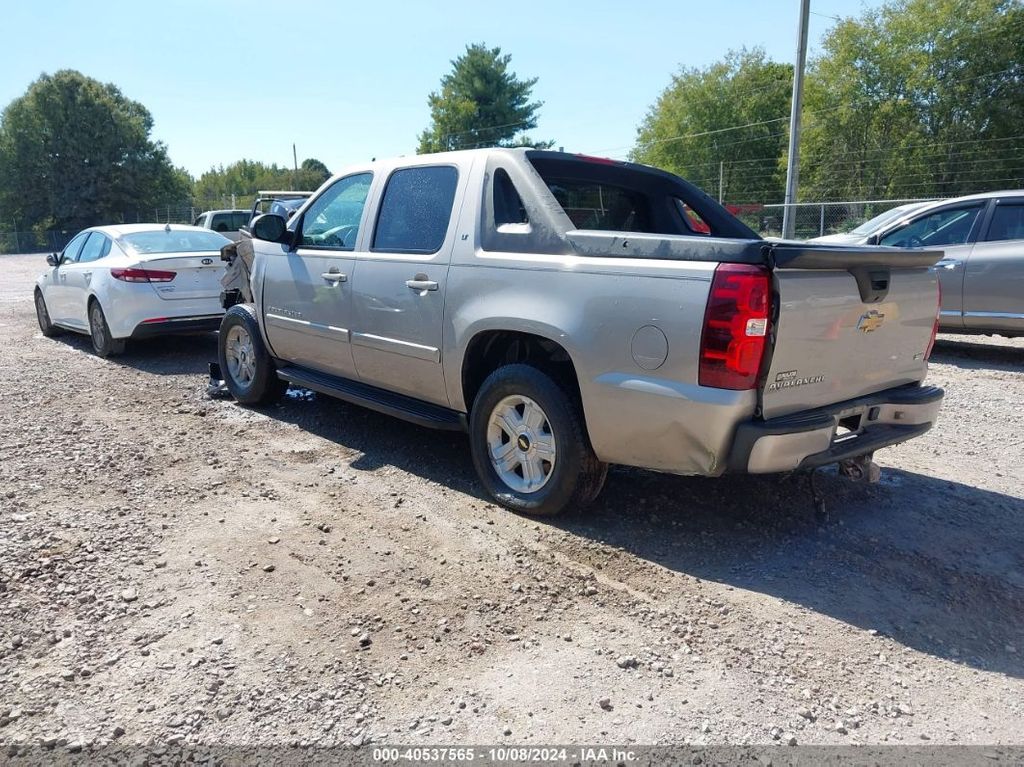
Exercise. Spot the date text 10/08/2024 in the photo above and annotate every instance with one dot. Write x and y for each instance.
(555, 754)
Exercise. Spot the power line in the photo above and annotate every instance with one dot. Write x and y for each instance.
(521, 123)
(759, 123)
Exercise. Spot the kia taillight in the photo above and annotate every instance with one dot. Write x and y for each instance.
(142, 275)
(733, 342)
(935, 326)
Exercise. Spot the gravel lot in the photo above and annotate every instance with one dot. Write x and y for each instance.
(179, 569)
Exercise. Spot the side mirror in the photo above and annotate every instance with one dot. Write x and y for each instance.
(53, 259)
(873, 239)
(270, 227)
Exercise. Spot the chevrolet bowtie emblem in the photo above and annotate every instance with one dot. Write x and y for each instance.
(870, 321)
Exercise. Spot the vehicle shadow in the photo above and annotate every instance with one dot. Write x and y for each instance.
(162, 355)
(975, 356)
(936, 565)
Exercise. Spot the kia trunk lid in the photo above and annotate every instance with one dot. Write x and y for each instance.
(196, 275)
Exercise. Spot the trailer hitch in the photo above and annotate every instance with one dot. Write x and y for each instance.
(861, 469)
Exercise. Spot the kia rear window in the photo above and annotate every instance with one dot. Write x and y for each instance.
(173, 241)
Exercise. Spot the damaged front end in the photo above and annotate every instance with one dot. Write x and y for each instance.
(236, 282)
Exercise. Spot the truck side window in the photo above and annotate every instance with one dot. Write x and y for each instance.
(508, 205)
(416, 209)
(332, 219)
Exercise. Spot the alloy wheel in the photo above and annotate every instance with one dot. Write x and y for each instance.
(241, 356)
(520, 444)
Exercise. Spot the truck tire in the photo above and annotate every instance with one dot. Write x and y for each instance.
(530, 445)
(248, 369)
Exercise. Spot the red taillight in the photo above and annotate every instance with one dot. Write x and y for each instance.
(600, 160)
(733, 342)
(935, 327)
(142, 275)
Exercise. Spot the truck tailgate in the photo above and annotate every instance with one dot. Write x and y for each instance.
(850, 322)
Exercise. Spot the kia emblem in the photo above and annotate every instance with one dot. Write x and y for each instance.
(207, 261)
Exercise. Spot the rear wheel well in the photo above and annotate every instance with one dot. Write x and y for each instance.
(492, 349)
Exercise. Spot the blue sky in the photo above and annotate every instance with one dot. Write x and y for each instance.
(227, 79)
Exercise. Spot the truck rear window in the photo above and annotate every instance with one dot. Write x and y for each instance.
(606, 195)
(592, 205)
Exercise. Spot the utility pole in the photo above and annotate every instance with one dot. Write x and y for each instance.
(721, 179)
(295, 159)
(793, 161)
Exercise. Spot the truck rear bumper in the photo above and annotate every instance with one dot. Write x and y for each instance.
(834, 433)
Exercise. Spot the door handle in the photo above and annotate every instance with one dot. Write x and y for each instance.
(420, 282)
(334, 276)
(948, 264)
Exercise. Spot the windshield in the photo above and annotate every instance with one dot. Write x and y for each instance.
(876, 223)
(174, 241)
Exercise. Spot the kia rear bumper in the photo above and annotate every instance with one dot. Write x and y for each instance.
(176, 326)
(834, 433)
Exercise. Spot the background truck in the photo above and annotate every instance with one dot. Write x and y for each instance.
(572, 312)
(280, 203)
(227, 222)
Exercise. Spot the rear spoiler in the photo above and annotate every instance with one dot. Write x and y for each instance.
(801, 255)
(778, 254)
(870, 266)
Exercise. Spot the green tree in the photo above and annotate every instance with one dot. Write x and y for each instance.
(917, 98)
(314, 172)
(481, 103)
(75, 152)
(692, 130)
(243, 179)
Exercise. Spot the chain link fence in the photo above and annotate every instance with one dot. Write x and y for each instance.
(814, 219)
(53, 240)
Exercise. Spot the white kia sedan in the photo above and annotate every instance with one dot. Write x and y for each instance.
(133, 281)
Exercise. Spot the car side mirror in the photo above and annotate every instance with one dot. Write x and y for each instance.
(873, 239)
(53, 259)
(270, 227)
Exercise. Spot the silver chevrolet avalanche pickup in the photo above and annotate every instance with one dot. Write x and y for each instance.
(571, 312)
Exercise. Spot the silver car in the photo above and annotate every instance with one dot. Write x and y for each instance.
(862, 233)
(982, 273)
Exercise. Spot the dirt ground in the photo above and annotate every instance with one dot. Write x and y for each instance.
(176, 569)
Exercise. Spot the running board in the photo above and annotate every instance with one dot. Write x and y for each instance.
(383, 401)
